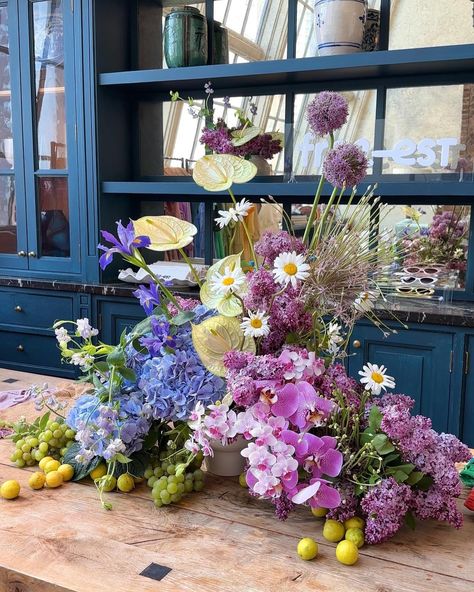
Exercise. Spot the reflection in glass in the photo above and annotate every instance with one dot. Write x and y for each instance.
(53, 207)
(429, 130)
(48, 30)
(8, 233)
(6, 138)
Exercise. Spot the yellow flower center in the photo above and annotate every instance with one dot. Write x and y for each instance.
(290, 269)
(256, 323)
(228, 281)
(377, 377)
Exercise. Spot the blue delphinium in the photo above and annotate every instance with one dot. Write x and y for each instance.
(173, 381)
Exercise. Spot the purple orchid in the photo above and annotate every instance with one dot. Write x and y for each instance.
(301, 405)
(321, 457)
(148, 297)
(125, 244)
(319, 494)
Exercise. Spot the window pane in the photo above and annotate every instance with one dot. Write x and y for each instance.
(53, 205)
(427, 23)
(48, 30)
(8, 234)
(6, 138)
(429, 130)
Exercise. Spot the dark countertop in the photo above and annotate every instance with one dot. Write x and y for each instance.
(457, 314)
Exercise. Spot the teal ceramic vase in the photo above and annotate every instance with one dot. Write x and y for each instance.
(221, 44)
(185, 38)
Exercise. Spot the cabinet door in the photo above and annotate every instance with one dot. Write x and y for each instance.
(13, 235)
(468, 406)
(419, 360)
(114, 316)
(49, 124)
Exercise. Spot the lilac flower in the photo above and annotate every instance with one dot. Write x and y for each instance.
(148, 297)
(271, 244)
(349, 502)
(208, 88)
(345, 165)
(283, 506)
(125, 244)
(327, 112)
(253, 109)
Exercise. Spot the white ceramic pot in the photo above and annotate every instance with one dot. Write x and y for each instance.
(263, 166)
(227, 460)
(339, 26)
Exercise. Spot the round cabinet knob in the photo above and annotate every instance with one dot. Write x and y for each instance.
(21, 253)
(18, 309)
(32, 254)
(20, 348)
(356, 343)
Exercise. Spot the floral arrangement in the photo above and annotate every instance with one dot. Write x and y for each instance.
(244, 139)
(256, 363)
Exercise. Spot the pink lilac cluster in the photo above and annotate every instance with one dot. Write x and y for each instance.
(185, 303)
(349, 502)
(286, 309)
(220, 138)
(345, 165)
(447, 225)
(327, 112)
(271, 244)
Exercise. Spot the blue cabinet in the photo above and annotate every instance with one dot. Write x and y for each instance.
(420, 360)
(468, 392)
(113, 316)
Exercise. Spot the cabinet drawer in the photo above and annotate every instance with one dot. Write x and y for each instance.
(38, 310)
(30, 352)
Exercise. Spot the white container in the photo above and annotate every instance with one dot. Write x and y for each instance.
(339, 26)
(227, 460)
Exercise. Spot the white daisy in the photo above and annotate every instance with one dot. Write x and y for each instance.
(229, 281)
(256, 324)
(365, 302)
(290, 267)
(242, 208)
(375, 378)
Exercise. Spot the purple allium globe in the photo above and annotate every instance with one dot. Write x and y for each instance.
(327, 112)
(345, 165)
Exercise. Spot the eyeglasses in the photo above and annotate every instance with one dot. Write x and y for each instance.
(427, 270)
(421, 281)
(414, 291)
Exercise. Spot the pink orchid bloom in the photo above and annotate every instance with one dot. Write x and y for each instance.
(301, 405)
(319, 494)
(321, 457)
(263, 483)
(297, 441)
(259, 457)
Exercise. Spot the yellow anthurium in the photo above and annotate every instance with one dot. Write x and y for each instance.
(216, 336)
(165, 232)
(217, 172)
(241, 137)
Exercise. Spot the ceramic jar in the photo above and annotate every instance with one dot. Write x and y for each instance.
(185, 38)
(370, 41)
(227, 460)
(339, 26)
(221, 44)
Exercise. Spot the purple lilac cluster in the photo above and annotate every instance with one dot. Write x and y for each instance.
(220, 138)
(336, 377)
(447, 225)
(271, 244)
(327, 112)
(345, 165)
(349, 502)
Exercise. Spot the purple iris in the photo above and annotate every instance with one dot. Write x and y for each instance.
(160, 337)
(126, 243)
(148, 297)
(301, 405)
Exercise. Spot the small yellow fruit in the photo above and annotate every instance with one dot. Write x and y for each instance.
(98, 472)
(54, 479)
(243, 480)
(44, 461)
(109, 483)
(355, 535)
(355, 522)
(37, 480)
(307, 549)
(67, 471)
(10, 489)
(347, 552)
(52, 465)
(125, 483)
(333, 531)
(319, 512)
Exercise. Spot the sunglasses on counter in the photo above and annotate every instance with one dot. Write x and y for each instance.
(426, 270)
(420, 281)
(408, 291)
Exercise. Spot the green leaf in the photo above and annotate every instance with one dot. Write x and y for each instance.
(410, 520)
(375, 418)
(415, 477)
(152, 437)
(116, 358)
(366, 436)
(81, 470)
(425, 483)
(394, 456)
(122, 458)
(183, 317)
(400, 476)
(127, 373)
(382, 444)
(102, 366)
(143, 327)
(44, 421)
(137, 466)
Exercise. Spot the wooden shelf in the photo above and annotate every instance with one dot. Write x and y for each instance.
(360, 70)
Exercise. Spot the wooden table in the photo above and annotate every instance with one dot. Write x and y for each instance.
(220, 540)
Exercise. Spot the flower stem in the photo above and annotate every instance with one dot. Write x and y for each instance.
(246, 230)
(141, 263)
(317, 233)
(191, 266)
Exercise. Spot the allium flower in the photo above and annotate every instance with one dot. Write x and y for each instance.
(271, 244)
(327, 112)
(149, 297)
(345, 165)
(289, 268)
(375, 378)
(84, 329)
(126, 243)
(62, 335)
(256, 324)
(229, 281)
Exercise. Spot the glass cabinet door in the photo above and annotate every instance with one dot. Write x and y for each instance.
(13, 238)
(50, 157)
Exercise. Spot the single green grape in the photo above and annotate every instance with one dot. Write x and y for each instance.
(172, 488)
(26, 456)
(43, 447)
(70, 434)
(165, 496)
(34, 442)
(180, 478)
(38, 455)
(175, 497)
(198, 485)
(17, 454)
(180, 488)
(48, 434)
(63, 451)
(26, 447)
(148, 473)
(54, 426)
(57, 434)
(158, 472)
(20, 463)
(53, 443)
(158, 503)
(171, 469)
(172, 479)
(198, 475)
(151, 481)
(188, 486)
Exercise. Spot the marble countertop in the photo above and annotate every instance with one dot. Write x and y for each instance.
(457, 314)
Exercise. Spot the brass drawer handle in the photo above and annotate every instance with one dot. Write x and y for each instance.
(20, 348)
(32, 254)
(356, 343)
(18, 309)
